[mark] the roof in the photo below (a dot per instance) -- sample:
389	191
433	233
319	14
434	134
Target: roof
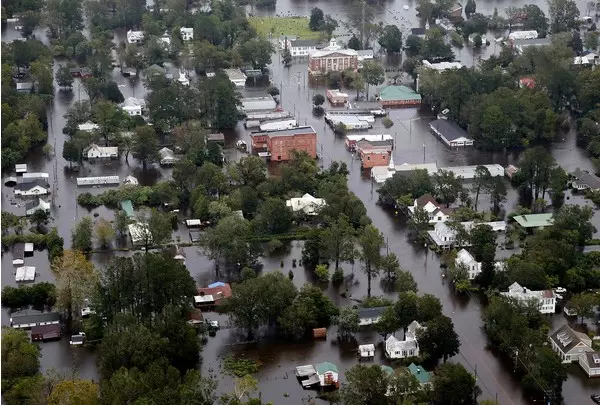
442	65
527	82
566	338
448	129
424	199
32	204
51	330
534	220
218	292
234	74
217	284
127	206
370	138
593	359
420	373
417	31
393	93
166	152
532	42
587	178
326	366
386	144
216	138
288	132
465	257
398	345
305	371
31	184
371	312
303	42
33	316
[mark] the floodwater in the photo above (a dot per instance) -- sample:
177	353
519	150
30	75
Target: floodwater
414	144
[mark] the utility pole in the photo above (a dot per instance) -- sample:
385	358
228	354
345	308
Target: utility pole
423	153
362	25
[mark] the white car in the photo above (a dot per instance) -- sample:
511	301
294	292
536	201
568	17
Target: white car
78	339
560	290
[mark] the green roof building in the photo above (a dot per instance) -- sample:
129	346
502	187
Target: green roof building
534	220
423	376
127	206
399	96
325	367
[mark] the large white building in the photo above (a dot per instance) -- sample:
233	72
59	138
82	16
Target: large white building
187	33
409	347
307	203
546	299
135	37
465	258
133	106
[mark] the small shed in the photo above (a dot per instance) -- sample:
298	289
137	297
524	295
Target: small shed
28	249
193	223
78	339
305	371
18	251
21	168
217	138
319	333
194	235
44	333
127	206
365	351
24	274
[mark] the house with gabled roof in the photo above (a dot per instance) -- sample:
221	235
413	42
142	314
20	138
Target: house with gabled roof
467	260
570	344
437	213
545	299
370	316
36	204
409	347
590	363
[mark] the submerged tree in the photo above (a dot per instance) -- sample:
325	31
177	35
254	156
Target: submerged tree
370	243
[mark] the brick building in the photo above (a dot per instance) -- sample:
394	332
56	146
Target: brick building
277	145
374	153
332	59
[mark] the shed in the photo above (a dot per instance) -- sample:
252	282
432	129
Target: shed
193	223
423	376
139	234
217	138
127	206
167	157
77	340
28	249
44	333
366	350
25	273
194	235
130	180
98	181
305	371
319	333
21	168
18	251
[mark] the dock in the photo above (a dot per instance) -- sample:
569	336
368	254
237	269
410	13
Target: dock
98	181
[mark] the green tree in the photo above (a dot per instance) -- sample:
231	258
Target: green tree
590	40
287	57
453	384
38	218
388	322
273	217
122	221
438	339
434	46
257	51
229	240
470	8
74	392
428	307
63	77
159	226
81	235
536	20
405	281
373	74
413	45
447	186
547	374
145	145
249	171
535	170
585	305
219	100
564	15
104	232
370	242
419	220
391	39
390	266
497	193
481	182
338	240
365	385
310	309
316	20
20	358
110	119
318	100
347	322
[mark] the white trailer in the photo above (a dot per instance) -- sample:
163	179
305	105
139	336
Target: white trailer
98	181
278	125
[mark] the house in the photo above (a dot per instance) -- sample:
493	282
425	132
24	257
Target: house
212	295
440	66
373	155
253	104
236	76
133	106
130	180
328	374
350	122
25	274
409	347
36	204
399	96
352	140
530	221
569	309
302	47
101	152
331	59
75	72
278	145
423	376
545	300
370	316
444	236
436	212
44	333
88	126
590	363
308	204
167	157
187	33
584	180
521	44
20	168
336	97
18	253
182	78
464	258
29	318
165	40
28	249
216	138
587	58
363	55
528	82
450	133
25	87
135	37
570	344
510	171
365	351
139	234
419	32
32	188
86	73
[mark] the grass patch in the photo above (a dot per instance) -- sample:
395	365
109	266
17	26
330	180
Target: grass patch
240	367
282	26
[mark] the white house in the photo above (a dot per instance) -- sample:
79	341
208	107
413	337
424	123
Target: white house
187	33
135	37
88	126
466	259
183	79
307	204
366	350
302	47
32	188
101	152
139	233
570	344
444	236
167	157
328	373
584	180
587	58
236	76
133	106
25	273
37	204
450	133
400	349
370	316
546	300
590	363
435	211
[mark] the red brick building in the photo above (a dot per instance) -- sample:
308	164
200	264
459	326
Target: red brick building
374	153
332	59
278	144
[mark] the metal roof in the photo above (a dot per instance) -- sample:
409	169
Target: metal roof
288	132
448	129
371	312
392	93
534	220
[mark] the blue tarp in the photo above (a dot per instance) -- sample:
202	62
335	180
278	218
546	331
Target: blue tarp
217	284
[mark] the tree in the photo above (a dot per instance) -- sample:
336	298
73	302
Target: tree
419	220
497	193
413	45
576	42
20	358
329	25
558	184
365	385
316	20
63	77
220	99
373	74
434	46
388	322
428	307
347	322
159	226
370	243
318	100
391	39
249	171
564	15
402	387
453	384
547	374
584	304
447	186
257	51
110	119
535	170
273	216
438	339
287	57
470	8
390	266
230	240
74	392
481	182
39	217
145	145
405	281
81	235
104	232
590	40
535	20
338	240
75	281
121	224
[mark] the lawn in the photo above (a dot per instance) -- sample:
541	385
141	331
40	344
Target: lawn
282	26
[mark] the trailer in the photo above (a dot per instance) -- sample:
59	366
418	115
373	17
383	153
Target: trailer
261	116
278	125
98	181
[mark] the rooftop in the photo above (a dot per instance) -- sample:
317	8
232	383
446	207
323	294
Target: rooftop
534	220
288	132
392	93
567	338
371	312
326	366
448	129
587	178
303	42
420	373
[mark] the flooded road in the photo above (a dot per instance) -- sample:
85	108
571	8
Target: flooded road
411	132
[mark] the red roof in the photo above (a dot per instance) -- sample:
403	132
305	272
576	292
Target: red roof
218	293
548	294
426	198
527	81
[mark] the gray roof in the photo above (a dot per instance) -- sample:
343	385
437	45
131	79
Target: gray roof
371	312
448	129
18	250
31	184
590	180
304	42
566	338
532	42
417	31
591	359
32	316
32	204
287	132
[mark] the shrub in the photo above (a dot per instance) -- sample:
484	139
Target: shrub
240	367
322	273
38	296
338	276
387	122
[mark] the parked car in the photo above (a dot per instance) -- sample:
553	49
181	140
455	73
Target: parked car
212	324
560	290
78	339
